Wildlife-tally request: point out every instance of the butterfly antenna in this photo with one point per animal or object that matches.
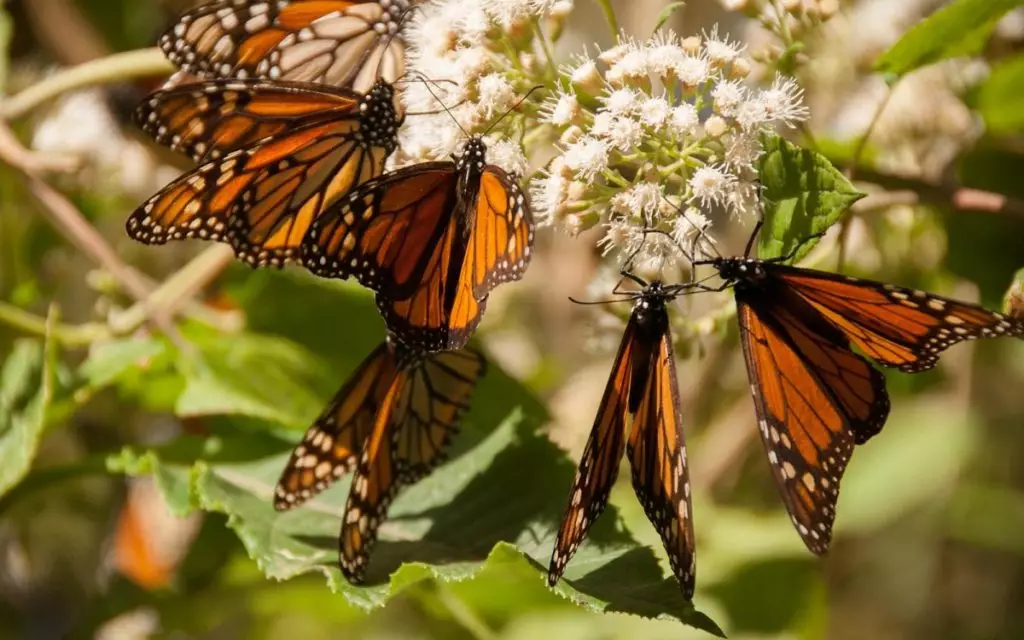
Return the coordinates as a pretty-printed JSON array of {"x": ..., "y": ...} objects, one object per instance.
[
  {"x": 513, "y": 108},
  {"x": 760, "y": 221},
  {"x": 427, "y": 83}
]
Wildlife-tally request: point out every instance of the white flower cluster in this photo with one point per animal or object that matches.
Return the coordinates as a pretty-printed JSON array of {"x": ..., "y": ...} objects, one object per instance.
[
  {"x": 469, "y": 63},
  {"x": 658, "y": 134}
]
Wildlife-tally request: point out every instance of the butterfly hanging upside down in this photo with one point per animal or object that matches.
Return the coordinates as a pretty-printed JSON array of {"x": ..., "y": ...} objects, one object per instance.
[
  {"x": 343, "y": 43},
  {"x": 432, "y": 240},
  {"x": 814, "y": 396},
  {"x": 392, "y": 422},
  {"x": 273, "y": 156},
  {"x": 642, "y": 387}
]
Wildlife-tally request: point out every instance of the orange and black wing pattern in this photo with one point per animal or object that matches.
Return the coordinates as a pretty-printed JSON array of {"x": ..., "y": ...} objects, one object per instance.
[
  {"x": 642, "y": 385},
  {"x": 657, "y": 453},
  {"x": 416, "y": 422},
  {"x": 814, "y": 398},
  {"x": 206, "y": 120},
  {"x": 261, "y": 197},
  {"x": 895, "y": 326},
  {"x": 344, "y": 43},
  {"x": 332, "y": 445},
  {"x": 503, "y": 228}
]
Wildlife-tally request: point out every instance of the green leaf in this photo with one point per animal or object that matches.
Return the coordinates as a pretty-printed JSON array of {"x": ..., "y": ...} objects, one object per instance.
[
  {"x": 498, "y": 502},
  {"x": 666, "y": 13},
  {"x": 803, "y": 195},
  {"x": 1000, "y": 100},
  {"x": 259, "y": 376},
  {"x": 109, "y": 361},
  {"x": 960, "y": 29},
  {"x": 26, "y": 390}
]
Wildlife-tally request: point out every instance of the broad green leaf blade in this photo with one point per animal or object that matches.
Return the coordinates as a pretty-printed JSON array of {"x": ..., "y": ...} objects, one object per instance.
[
  {"x": 259, "y": 376},
  {"x": 960, "y": 29},
  {"x": 1000, "y": 100},
  {"x": 500, "y": 498},
  {"x": 803, "y": 195},
  {"x": 26, "y": 390},
  {"x": 109, "y": 361}
]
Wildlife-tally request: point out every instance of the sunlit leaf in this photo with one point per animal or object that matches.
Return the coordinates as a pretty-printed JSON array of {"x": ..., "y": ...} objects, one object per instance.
[
  {"x": 666, "y": 14},
  {"x": 26, "y": 390},
  {"x": 960, "y": 29},
  {"x": 109, "y": 361},
  {"x": 803, "y": 195}
]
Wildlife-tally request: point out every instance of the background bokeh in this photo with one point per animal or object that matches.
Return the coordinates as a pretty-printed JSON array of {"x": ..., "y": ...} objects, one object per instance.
[{"x": 930, "y": 529}]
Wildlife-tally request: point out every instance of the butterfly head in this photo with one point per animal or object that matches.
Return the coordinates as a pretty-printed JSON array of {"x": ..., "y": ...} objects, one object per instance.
[{"x": 740, "y": 271}]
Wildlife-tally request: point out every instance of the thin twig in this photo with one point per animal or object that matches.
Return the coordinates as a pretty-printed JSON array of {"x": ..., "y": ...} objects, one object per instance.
[
  {"x": 115, "y": 68},
  {"x": 67, "y": 335},
  {"x": 70, "y": 222},
  {"x": 917, "y": 191}
]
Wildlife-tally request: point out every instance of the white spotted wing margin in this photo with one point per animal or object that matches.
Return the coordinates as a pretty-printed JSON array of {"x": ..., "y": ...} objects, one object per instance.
[
  {"x": 657, "y": 453},
  {"x": 417, "y": 420},
  {"x": 643, "y": 376},
  {"x": 815, "y": 398}
]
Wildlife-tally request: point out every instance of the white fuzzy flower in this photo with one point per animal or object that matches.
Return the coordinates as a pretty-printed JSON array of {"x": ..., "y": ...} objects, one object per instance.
[
  {"x": 625, "y": 134},
  {"x": 721, "y": 50},
  {"x": 470, "y": 63},
  {"x": 693, "y": 71},
  {"x": 683, "y": 120},
  {"x": 506, "y": 154},
  {"x": 630, "y": 67},
  {"x": 728, "y": 96},
  {"x": 642, "y": 199},
  {"x": 743, "y": 200},
  {"x": 689, "y": 230},
  {"x": 783, "y": 102},
  {"x": 496, "y": 95},
  {"x": 742, "y": 150},
  {"x": 584, "y": 74},
  {"x": 711, "y": 185},
  {"x": 654, "y": 112},
  {"x": 664, "y": 53},
  {"x": 588, "y": 157},
  {"x": 613, "y": 55},
  {"x": 752, "y": 115},
  {"x": 623, "y": 102},
  {"x": 618, "y": 233},
  {"x": 562, "y": 110},
  {"x": 548, "y": 196},
  {"x": 509, "y": 13},
  {"x": 657, "y": 253}
]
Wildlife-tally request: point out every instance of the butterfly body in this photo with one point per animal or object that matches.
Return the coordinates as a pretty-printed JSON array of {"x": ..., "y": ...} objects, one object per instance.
[
  {"x": 642, "y": 389},
  {"x": 273, "y": 156},
  {"x": 432, "y": 239},
  {"x": 815, "y": 396}
]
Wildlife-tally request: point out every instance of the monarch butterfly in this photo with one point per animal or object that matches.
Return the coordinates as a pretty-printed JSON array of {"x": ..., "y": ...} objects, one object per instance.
[
  {"x": 392, "y": 422},
  {"x": 432, "y": 240},
  {"x": 344, "y": 43},
  {"x": 815, "y": 398},
  {"x": 272, "y": 156},
  {"x": 643, "y": 387}
]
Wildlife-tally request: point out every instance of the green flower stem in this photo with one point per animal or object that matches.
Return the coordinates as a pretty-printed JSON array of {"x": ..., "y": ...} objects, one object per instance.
[
  {"x": 115, "y": 68},
  {"x": 549, "y": 56},
  {"x": 609, "y": 14},
  {"x": 68, "y": 335}
]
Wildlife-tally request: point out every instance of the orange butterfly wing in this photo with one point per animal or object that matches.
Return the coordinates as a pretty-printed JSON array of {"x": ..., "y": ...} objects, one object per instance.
[
  {"x": 262, "y": 197},
  {"x": 814, "y": 398},
  {"x": 642, "y": 384},
  {"x": 417, "y": 420},
  {"x": 661, "y": 479},
  {"x": 208, "y": 119},
  {"x": 347, "y": 43},
  {"x": 332, "y": 445},
  {"x": 896, "y": 326},
  {"x": 503, "y": 229}
]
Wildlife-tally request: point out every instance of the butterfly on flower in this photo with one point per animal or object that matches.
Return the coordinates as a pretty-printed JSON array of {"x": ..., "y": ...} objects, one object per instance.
[
  {"x": 343, "y": 43},
  {"x": 391, "y": 422},
  {"x": 814, "y": 396},
  {"x": 272, "y": 156},
  {"x": 642, "y": 396},
  {"x": 432, "y": 239}
]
